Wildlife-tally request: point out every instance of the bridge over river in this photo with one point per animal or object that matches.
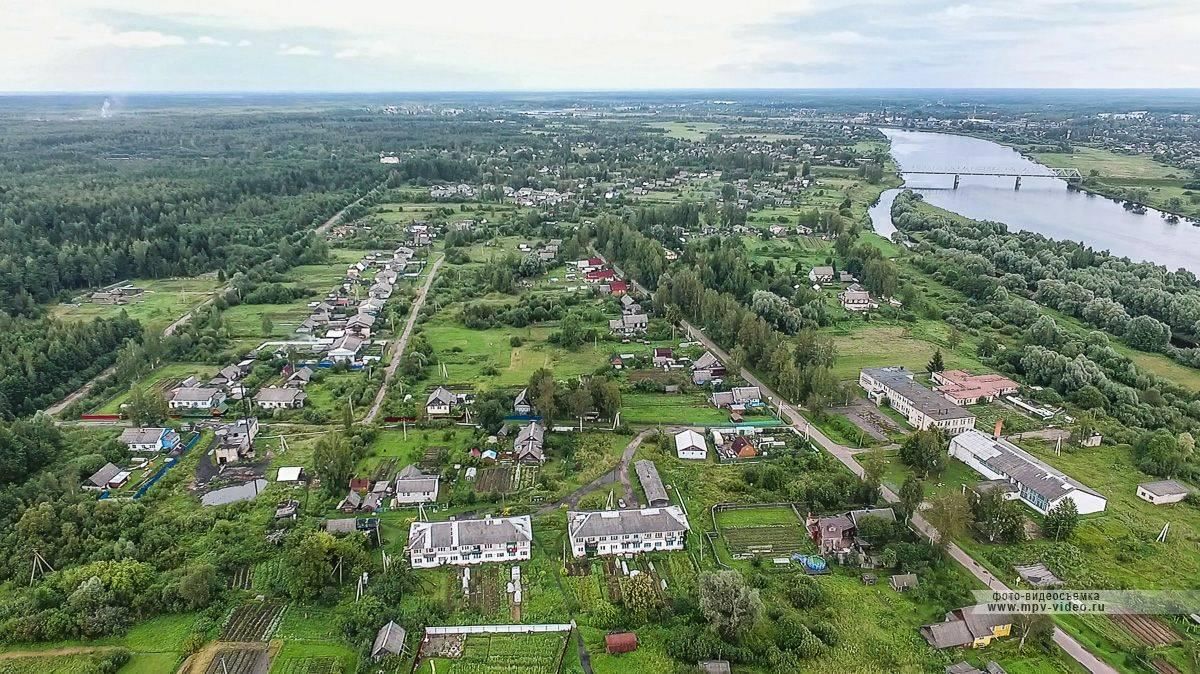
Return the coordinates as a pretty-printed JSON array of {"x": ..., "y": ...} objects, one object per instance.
[{"x": 1069, "y": 174}]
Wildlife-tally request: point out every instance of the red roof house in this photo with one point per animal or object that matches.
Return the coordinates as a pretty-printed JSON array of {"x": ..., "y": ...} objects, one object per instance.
[
  {"x": 598, "y": 275},
  {"x": 744, "y": 448}
]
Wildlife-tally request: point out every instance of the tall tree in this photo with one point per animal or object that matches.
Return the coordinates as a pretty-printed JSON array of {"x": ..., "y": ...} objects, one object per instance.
[
  {"x": 950, "y": 514},
  {"x": 1061, "y": 520},
  {"x": 912, "y": 492},
  {"x": 729, "y": 605},
  {"x": 936, "y": 364}
]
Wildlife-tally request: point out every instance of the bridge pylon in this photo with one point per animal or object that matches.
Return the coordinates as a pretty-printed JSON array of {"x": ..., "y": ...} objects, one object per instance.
[
  {"x": 955, "y": 181},
  {"x": 1017, "y": 185}
]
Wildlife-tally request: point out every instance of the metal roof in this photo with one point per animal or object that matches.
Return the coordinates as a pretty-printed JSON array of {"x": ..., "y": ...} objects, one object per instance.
[
  {"x": 617, "y": 522},
  {"x": 656, "y": 493}
]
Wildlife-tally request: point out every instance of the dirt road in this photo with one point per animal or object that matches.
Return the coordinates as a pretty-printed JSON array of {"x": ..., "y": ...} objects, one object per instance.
[{"x": 399, "y": 345}]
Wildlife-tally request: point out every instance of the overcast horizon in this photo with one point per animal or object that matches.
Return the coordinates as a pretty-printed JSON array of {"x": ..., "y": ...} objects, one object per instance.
[{"x": 371, "y": 46}]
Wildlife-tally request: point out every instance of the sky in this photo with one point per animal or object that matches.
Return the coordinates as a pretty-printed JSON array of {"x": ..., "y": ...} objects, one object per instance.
[{"x": 472, "y": 45}]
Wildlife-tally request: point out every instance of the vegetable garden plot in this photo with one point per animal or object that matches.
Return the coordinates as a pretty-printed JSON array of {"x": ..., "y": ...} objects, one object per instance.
[
  {"x": 238, "y": 661},
  {"x": 505, "y": 654},
  {"x": 494, "y": 479},
  {"x": 1148, "y": 630},
  {"x": 255, "y": 621},
  {"x": 321, "y": 665},
  {"x": 771, "y": 531}
]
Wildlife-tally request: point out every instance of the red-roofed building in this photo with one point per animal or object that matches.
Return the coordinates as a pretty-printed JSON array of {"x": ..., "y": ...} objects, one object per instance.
[
  {"x": 963, "y": 388},
  {"x": 744, "y": 448},
  {"x": 599, "y": 275},
  {"x": 618, "y": 288}
]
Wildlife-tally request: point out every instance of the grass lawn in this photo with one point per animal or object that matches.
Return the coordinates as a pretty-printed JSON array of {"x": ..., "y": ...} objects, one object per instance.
[
  {"x": 688, "y": 130},
  {"x": 468, "y": 353},
  {"x": 1116, "y": 548},
  {"x": 692, "y": 409},
  {"x": 1108, "y": 164},
  {"x": 151, "y": 663},
  {"x": 879, "y": 345},
  {"x": 164, "y": 301},
  {"x": 1161, "y": 366},
  {"x": 391, "y": 444}
]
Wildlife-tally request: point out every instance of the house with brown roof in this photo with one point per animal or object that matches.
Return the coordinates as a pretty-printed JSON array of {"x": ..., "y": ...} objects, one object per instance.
[{"x": 971, "y": 626}]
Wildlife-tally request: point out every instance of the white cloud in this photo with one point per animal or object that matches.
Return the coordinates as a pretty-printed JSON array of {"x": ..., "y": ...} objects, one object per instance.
[
  {"x": 211, "y": 41},
  {"x": 297, "y": 50},
  {"x": 552, "y": 44}
]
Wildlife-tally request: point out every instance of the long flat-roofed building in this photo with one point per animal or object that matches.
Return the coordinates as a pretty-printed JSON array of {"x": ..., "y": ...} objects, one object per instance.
[
  {"x": 618, "y": 532},
  {"x": 921, "y": 407},
  {"x": 656, "y": 493},
  {"x": 963, "y": 388},
  {"x": 1039, "y": 485},
  {"x": 465, "y": 542}
]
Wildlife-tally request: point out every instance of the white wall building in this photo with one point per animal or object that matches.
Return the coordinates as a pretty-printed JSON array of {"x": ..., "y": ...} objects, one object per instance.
[
  {"x": 1039, "y": 485},
  {"x": 413, "y": 486},
  {"x": 617, "y": 532},
  {"x": 921, "y": 407},
  {"x": 690, "y": 445},
  {"x": 466, "y": 542},
  {"x": 1163, "y": 491}
]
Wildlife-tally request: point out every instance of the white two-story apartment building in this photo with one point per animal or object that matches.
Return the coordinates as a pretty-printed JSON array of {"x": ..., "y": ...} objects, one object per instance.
[
  {"x": 921, "y": 407},
  {"x": 466, "y": 542},
  {"x": 618, "y": 532}
]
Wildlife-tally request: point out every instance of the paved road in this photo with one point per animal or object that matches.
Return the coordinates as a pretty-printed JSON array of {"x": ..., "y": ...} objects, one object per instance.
[
  {"x": 399, "y": 344},
  {"x": 337, "y": 217},
  {"x": 846, "y": 456}
]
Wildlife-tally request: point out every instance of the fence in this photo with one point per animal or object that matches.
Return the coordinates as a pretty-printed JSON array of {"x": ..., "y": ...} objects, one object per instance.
[
  {"x": 158, "y": 474},
  {"x": 499, "y": 629}
]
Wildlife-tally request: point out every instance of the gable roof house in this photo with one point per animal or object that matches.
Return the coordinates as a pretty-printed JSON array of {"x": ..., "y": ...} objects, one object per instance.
[
  {"x": 822, "y": 274},
  {"x": 465, "y": 542},
  {"x": 662, "y": 356},
  {"x": 360, "y": 324},
  {"x": 196, "y": 398},
  {"x": 300, "y": 378},
  {"x": 102, "y": 478},
  {"x": 345, "y": 349},
  {"x": 150, "y": 439},
  {"x": 528, "y": 446},
  {"x": 414, "y": 486},
  {"x": 616, "y": 532},
  {"x": 389, "y": 640},
  {"x": 656, "y": 493},
  {"x": 1039, "y": 485},
  {"x": 969, "y": 626},
  {"x": 629, "y": 324},
  {"x": 838, "y": 534},
  {"x": 856, "y": 298},
  {"x": 235, "y": 440},
  {"x": 737, "y": 398},
  {"x": 706, "y": 368},
  {"x": 280, "y": 398},
  {"x": 521, "y": 403},
  {"x": 440, "y": 402},
  {"x": 690, "y": 445},
  {"x": 352, "y": 502}
]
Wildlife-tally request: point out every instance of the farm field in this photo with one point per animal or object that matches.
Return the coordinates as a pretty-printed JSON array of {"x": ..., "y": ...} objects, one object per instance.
[
  {"x": 255, "y": 621},
  {"x": 164, "y": 301},
  {"x": 303, "y": 657},
  {"x": 688, "y": 130},
  {"x": 1107, "y": 163}
]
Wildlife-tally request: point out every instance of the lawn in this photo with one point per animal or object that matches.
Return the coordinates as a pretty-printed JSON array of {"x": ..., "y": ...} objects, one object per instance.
[
  {"x": 691, "y": 409},
  {"x": 164, "y": 301},
  {"x": 1107, "y": 164},
  {"x": 468, "y": 354},
  {"x": 688, "y": 130},
  {"x": 309, "y": 657},
  {"x": 880, "y": 345}
]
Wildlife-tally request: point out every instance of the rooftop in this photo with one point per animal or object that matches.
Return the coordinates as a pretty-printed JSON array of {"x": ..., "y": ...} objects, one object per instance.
[
  {"x": 932, "y": 405},
  {"x": 611, "y": 522},
  {"x": 1007, "y": 459}
]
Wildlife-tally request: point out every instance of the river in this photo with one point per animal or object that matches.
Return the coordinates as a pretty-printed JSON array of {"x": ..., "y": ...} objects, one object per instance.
[{"x": 1042, "y": 205}]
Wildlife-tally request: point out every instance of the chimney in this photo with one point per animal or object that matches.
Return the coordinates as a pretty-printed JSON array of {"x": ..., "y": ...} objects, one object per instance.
[{"x": 999, "y": 427}]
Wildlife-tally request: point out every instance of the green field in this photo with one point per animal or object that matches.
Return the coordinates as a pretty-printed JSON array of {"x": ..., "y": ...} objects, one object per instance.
[
  {"x": 467, "y": 353},
  {"x": 1108, "y": 164},
  {"x": 164, "y": 301},
  {"x": 690, "y": 409},
  {"x": 880, "y": 345},
  {"x": 502, "y": 654},
  {"x": 688, "y": 130}
]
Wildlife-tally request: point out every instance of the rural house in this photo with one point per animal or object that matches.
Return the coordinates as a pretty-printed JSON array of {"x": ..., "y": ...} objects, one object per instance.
[
  {"x": 389, "y": 640},
  {"x": 969, "y": 626},
  {"x": 150, "y": 439},
  {"x": 706, "y": 368},
  {"x": 856, "y": 298},
  {"x": 821, "y": 274},
  {"x": 280, "y": 398},
  {"x": 618, "y": 532},
  {"x": 465, "y": 542},
  {"x": 104, "y": 478},
  {"x": 521, "y": 404},
  {"x": 737, "y": 398},
  {"x": 1040, "y": 486},
  {"x": 345, "y": 349},
  {"x": 440, "y": 402},
  {"x": 838, "y": 534},
  {"x": 629, "y": 324},
  {"x": 200, "y": 398},
  {"x": 413, "y": 486},
  {"x": 528, "y": 445},
  {"x": 690, "y": 445}
]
